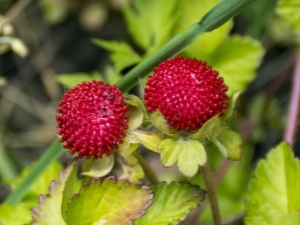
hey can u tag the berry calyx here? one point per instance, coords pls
(92, 119)
(187, 92)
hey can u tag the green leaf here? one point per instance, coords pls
(99, 167)
(229, 143)
(14, 215)
(51, 207)
(171, 204)
(273, 192)
(204, 46)
(115, 202)
(236, 59)
(41, 184)
(122, 54)
(289, 10)
(150, 22)
(70, 80)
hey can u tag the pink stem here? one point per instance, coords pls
(294, 104)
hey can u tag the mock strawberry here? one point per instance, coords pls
(92, 119)
(187, 92)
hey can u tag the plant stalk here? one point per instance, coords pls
(147, 169)
(294, 106)
(212, 196)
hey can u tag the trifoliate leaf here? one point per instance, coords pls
(14, 215)
(210, 128)
(191, 11)
(150, 22)
(99, 167)
(70, 80)
(289, 10)
(51, 207)
(171, 204)
(122, 54)
(274, 196)
(40, 186)
(229, 143)
(192, 156)
(236, 59)
(118, 203)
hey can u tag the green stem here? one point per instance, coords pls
(216, 17)
(52, 153)
(212, 196)
(147, 169)
(7, 168)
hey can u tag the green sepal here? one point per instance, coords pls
(157, 119)
(13, 215)
(273, 193)
(232, 103)
(171, 204)
(150, 140)
(136, 112)
(229, 143)
(114, 202)
(209, 129)
(51, 206)
(99, 167)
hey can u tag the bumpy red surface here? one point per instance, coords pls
(92, 119)
(187, 92)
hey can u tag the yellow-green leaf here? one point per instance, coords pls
(171, 204)
(51, 206)
(273, 193)
(289, 10)
(14, 215)
(116, 202)
(236, 59)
